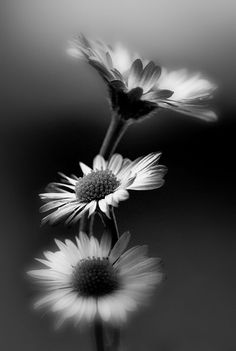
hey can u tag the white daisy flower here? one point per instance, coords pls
(139, 86)
(89, 280)
(104, 185)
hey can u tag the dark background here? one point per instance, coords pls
(54, 113)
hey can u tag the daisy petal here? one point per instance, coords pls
(135, 74)
(92, 207)
(119, 247)
(115, 163)
(99, 163)
(105, 244)
(104, 207)
(85, 169)
(120, 195)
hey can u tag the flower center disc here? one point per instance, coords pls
(95, 277)
(96, 185)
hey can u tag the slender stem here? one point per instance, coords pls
(116, 130)
(99, 336)
(110, 225)
(91, 223)
(114, 227)
(84, 224)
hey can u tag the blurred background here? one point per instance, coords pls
(54, 112)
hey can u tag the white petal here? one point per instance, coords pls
(52, 205)
(111, 200)
(58, 196)
(49, 298)
(85, 169)
(115, 163)
(149, 175)
(119, 247)
(84, 241)
(69, 179)
(61, 212)
(73, 310)
(105, 244)
(120, 195)
(104, 308)
(92, 207)
(46, 274)
(135, 74)
(99, 163)
(104, 207)
(78, 213)
(91, 309)
(64, 302)
(94, 248)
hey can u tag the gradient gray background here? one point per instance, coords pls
(54, 113)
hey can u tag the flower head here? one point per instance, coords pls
(87, 279)
(104, 185)
(139, 86)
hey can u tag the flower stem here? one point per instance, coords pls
(116, 130)
(99, 336)
(110, 225)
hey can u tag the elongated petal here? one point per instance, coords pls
(99, 163)
(150, 75)
(120, 195)
(85, 169)
(135, 74)
(105, 244)
(104, 206)
(115, 163)
(119, 247)
(92, 207)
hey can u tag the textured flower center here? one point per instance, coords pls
(96, 185)
(95, 277)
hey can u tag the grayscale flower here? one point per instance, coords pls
(138, 87)
(104, 185)
(87, 279)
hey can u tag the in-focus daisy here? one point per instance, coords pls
(104, 185)
(87, 279)
(139, 86)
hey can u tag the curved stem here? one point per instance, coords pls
(114, 227)
(99, 336)
(110, 225)
(116, 130)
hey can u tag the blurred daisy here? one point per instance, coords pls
(139, 86)
(89, 280)
(104, 185)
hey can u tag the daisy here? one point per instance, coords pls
(139, 86)
(88, 280)
(104, 185)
